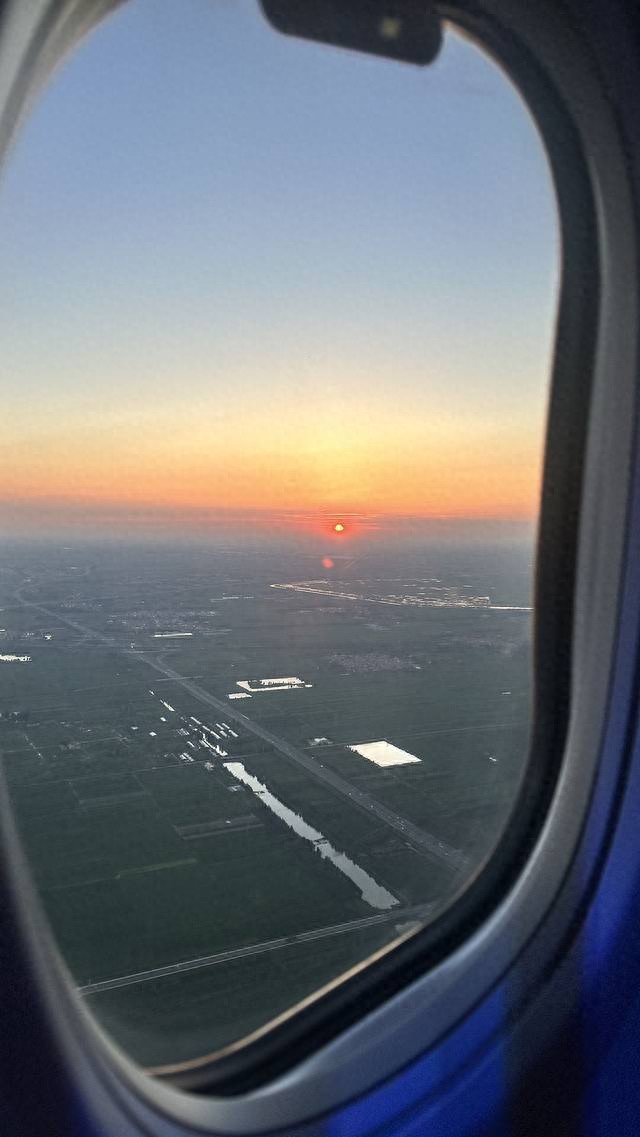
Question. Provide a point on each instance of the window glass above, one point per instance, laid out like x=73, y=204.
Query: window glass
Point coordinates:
x=277, y=323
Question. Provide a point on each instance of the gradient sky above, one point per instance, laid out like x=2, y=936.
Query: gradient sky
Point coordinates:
x=245, y=272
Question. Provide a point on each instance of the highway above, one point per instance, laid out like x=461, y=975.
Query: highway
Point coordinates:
x=416, y=914
x=411, y=833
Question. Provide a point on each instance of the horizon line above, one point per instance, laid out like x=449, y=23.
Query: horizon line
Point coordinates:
x=79, y=507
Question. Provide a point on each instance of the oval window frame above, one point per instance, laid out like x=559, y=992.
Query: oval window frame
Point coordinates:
x=351, y=1052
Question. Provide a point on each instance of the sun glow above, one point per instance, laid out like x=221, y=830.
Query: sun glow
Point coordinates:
x=338, y=527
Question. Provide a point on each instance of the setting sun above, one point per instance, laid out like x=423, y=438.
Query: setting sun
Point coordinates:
x=338, y=527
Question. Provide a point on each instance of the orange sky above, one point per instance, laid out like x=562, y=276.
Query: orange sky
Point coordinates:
x=444, y=466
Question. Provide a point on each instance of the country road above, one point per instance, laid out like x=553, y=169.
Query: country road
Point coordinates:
x=416, y=914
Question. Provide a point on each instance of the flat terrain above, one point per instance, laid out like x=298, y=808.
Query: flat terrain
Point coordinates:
x=206, y=861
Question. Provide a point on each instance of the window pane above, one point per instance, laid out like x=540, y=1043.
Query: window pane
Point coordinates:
x=278, y=321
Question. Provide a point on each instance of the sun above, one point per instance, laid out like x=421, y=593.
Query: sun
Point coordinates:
x=338, y=527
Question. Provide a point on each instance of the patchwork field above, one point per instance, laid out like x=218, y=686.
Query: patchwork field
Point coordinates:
x=206, y=861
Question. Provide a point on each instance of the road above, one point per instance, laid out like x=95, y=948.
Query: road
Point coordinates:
x=416, y=836
x=417, y=914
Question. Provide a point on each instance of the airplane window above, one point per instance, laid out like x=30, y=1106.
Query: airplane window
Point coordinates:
x=278, y=321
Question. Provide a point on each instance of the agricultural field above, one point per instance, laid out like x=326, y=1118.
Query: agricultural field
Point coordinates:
x=177, y=730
